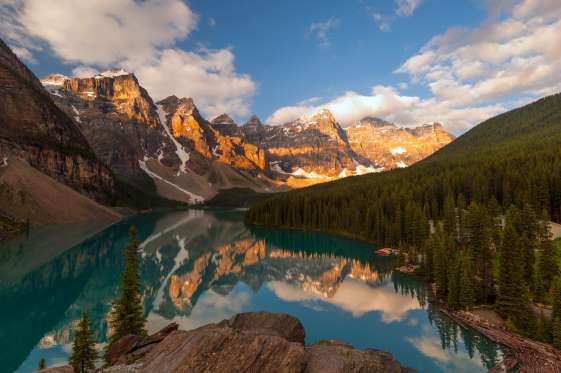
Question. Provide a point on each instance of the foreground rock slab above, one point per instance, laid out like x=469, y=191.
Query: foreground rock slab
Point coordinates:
x=248, y=342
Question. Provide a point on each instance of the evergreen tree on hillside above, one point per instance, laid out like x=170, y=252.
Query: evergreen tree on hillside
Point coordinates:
x=440, y=265
x=42, y=364
x=556, y=331
x=449, y=221
x=127, y=316
x=478, y=242
x=454, y=281
x=512, y=297
x=467, y=287
x=556, y=295
x=84, y=354
x=548, y=266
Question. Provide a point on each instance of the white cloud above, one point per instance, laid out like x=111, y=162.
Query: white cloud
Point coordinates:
x=405, y=8
x=384, y=22
x=207, y=75
x=510, y=56
x=386, y=102
x=106, y=32
x=320, y=30
x=84, y=71
x=24, y=54
x=138, y=35
x=353, y=296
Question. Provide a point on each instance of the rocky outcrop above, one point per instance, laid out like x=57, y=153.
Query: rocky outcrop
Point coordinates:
x=248, y=342
x=34, y=129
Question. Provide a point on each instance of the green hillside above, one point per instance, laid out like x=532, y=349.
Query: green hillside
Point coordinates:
x=512, y=158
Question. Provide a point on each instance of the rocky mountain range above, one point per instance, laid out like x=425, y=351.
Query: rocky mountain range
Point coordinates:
x=70, y=147
x=190, y=158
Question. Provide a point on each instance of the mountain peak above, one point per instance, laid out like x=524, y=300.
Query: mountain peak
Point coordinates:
x=253, y=121
x=54, y=79
x=112, y=73
x=322, y=117
x=223, y=119
x=372, y=121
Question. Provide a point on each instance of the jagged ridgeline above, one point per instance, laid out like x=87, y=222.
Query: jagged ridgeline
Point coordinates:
x=513, y=158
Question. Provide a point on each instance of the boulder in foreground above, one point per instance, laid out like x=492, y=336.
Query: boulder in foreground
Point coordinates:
x=247, y=342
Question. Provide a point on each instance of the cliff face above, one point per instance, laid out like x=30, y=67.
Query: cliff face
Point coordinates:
x=311, y=145
x=34, y=129
x=388, y=146
x=117, y=117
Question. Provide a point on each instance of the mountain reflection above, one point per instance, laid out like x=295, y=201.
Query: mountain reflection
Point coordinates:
x=200, y=267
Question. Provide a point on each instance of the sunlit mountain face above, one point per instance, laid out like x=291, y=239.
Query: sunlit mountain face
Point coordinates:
x=201, y=267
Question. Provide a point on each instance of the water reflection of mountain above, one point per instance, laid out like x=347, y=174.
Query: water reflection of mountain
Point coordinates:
x=188, y=256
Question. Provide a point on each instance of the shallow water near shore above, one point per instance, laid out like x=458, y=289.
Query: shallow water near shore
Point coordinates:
x=200, y=267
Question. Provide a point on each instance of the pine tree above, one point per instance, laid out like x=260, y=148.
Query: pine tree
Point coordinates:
x=127, y=316
x=513, y=298
x=556, y=331
x=42, y=364
x=548, y=266
x=450, y=224
x=454, y=282
x=467, y=287
x=556, y=299
x=84, y=354
x=440, y=265
x=543, y=329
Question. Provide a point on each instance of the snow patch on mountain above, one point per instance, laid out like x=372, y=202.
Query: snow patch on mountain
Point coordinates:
x=401, y=164
x=194, y=198
x=112, y=73
x=77, y=114
x=308, y=175
x=179, y=150
x=398, y=150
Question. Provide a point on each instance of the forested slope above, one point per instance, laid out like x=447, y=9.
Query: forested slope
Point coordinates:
x=510, y=159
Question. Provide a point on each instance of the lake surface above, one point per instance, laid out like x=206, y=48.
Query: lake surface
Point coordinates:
x=200, y=267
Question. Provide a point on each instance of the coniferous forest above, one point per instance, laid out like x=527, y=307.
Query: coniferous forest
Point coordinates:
x=472, y=216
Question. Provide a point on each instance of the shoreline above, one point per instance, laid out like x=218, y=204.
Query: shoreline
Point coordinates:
x=526, y=355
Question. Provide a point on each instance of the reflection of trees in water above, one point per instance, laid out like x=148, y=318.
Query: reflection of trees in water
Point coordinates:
x=451, y=333
x=407, y=285
x=51, y=297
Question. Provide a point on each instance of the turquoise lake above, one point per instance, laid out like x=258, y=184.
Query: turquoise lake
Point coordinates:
x=200, y=267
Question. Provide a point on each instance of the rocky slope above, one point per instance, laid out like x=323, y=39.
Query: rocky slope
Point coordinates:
x=248, y=342
x=190, y=158
x=41, y=147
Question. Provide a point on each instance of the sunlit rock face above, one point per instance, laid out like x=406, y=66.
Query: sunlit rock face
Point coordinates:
x=117, y=117
x=388, y=146
x=190, y=158
x=35, y=130
x=313, y=146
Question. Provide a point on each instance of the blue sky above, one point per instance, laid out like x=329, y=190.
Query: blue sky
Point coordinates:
x=410, y=61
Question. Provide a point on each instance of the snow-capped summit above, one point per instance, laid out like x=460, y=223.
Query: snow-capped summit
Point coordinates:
x=54, y=80
x=112, y=73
